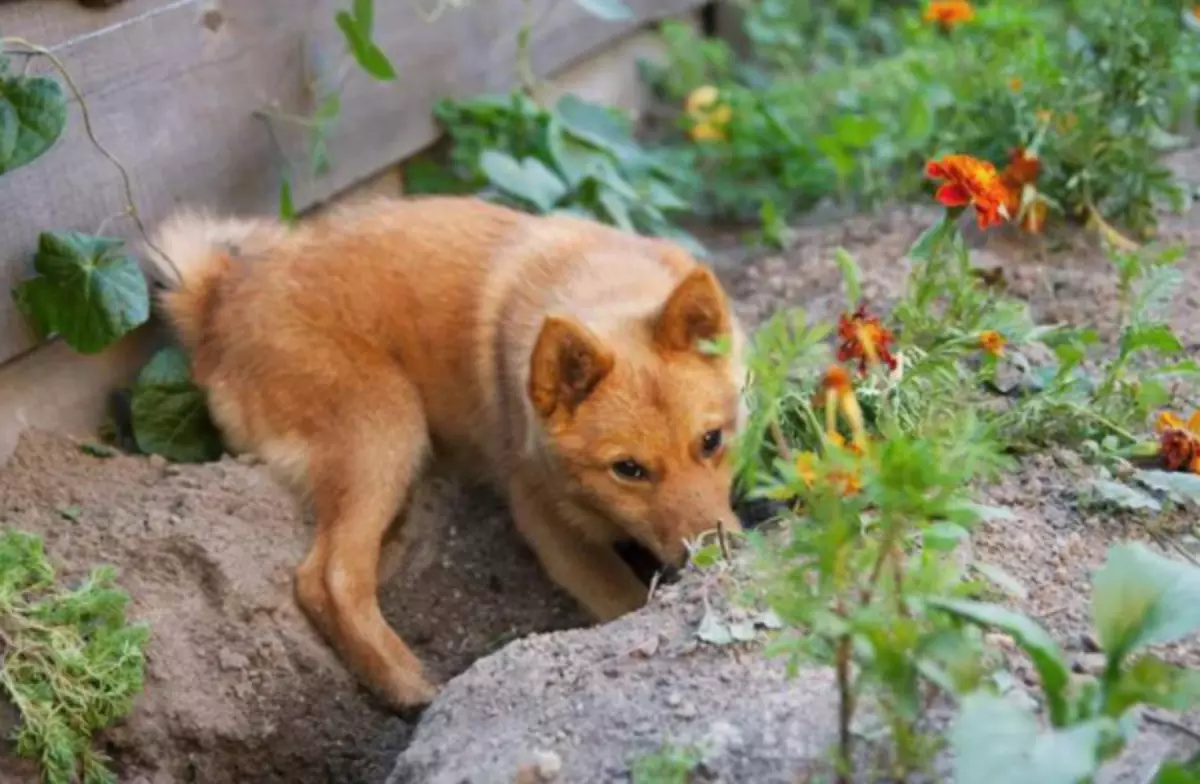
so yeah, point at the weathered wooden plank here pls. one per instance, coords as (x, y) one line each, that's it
(174, 100)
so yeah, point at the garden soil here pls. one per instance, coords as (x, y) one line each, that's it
(239, 689)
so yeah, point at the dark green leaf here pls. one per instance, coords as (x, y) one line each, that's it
(1037, 642)
(529, 179)
(1157, 337)
(1141, 598)
(608, 10)
(87, 290)
(998, 742)
(369, 56)
(170, 417)
(1173, 772)
(1152, 681)
(33, 114)
(364, 15)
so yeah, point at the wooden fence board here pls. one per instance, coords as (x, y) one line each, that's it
(174, 100)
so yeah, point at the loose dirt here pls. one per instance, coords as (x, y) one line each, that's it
(240, 689)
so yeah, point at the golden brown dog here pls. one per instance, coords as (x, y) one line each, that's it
(562, 360)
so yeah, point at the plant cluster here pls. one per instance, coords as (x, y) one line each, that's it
(872, 435)
(844, 100)
(576, 157)
(69, 660)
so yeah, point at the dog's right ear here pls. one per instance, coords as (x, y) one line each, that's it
(568, 361)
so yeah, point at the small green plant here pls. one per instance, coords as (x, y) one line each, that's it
(1139, 599)
(69, 660)
(668, 765)
(578, 158)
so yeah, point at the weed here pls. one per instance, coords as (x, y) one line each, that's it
(69, 660)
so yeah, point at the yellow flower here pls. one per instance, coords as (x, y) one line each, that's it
(708, 114)
(1015, 84)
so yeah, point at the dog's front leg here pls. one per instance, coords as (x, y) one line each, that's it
(594, 574)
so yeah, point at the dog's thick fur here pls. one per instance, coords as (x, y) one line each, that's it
(540, 352)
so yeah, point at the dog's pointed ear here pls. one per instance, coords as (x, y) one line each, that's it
(696, 311)
(568, 361)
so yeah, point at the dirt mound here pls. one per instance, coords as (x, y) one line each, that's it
(238, 687)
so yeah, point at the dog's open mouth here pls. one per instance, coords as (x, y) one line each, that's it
(643, 562)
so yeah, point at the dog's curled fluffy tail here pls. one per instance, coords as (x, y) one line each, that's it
(191, 252)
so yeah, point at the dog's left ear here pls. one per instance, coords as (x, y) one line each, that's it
(697, 310)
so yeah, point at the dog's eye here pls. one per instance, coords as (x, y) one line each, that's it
(630, 469)
(711, 442)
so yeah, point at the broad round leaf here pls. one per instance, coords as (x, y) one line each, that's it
(170, 417)
(39, 108)
(529, 180)
(998, 742)
(87, 290)
(1141, 598)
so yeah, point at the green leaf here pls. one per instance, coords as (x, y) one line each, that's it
(170, 417)
(599, 126)
(1181, 488)
(287, 209)
(1173, 772)
(364, 16)
(1141, 598)
(850, 276)
(933, 239)
(944, 536)
(33, 114)
(1001, 579)
(998, 742)
(575, 160)
(1152, 681)
(1122, 496)
(87, 290)
(1157, 337)
(529, 179)
(608, 10)
(616, 209)
(1037, 642)
(369, 56)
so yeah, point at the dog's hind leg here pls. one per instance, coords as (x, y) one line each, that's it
(361, 468)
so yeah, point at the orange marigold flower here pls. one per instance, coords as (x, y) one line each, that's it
(1196, 12)
(948, 13)
(992, 342)
(847, 482)
(1023, 168)
(1179, 442)
(837, 380)
(1015, 84)
(865, 339)
(970, 181)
